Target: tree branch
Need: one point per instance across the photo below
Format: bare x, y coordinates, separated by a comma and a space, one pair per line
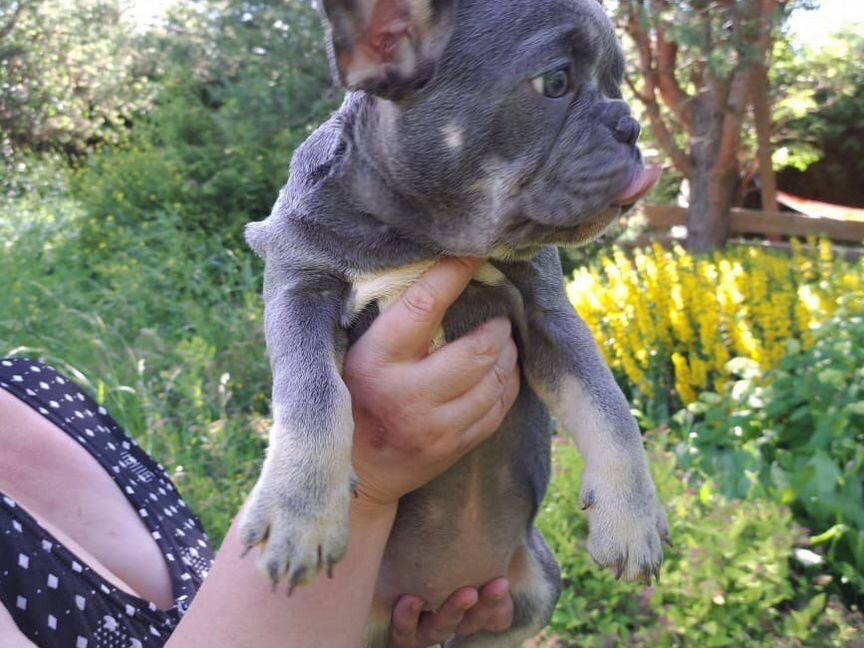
673, 95
649, 97
733, 114
13, 19
662, 131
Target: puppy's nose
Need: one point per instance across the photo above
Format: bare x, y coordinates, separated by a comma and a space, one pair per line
627, 130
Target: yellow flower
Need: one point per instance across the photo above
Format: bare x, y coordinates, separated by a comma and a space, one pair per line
657, 312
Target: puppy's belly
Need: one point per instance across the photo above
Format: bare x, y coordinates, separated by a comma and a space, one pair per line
465, 527
462, 529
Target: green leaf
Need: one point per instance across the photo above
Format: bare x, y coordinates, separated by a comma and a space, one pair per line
833, 377
856, 408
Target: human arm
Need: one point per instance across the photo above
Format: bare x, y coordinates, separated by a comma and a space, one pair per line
10, 635
451, 401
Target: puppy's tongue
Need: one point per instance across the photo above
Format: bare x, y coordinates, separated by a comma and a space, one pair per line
639, 185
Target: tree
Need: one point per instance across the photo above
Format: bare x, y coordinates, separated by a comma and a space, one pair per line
68, 74
819, 120
241, 84
698, 61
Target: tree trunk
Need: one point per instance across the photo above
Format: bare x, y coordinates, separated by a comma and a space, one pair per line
712, 192
762, 117
713, 181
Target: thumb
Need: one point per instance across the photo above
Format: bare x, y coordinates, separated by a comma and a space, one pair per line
406, 329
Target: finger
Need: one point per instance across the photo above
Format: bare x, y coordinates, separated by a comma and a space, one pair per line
493, 612
489, 400
437, 627
486, 425
404, 622
406, 329
458, 366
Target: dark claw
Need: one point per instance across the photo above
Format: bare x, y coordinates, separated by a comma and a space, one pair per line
320, 558
656, 572
667, 541
588, 500
621, 564
246, 551
273, 572
329, 568
646, 577
296, 577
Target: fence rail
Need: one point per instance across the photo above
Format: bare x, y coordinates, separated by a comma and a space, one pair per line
748, 221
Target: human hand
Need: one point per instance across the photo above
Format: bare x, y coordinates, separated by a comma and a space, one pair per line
466, 612
417, 413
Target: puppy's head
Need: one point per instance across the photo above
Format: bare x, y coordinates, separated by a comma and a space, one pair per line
503, 119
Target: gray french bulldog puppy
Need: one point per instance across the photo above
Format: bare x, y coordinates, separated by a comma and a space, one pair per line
484, 128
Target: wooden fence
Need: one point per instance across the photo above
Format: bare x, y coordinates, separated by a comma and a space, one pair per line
745, 222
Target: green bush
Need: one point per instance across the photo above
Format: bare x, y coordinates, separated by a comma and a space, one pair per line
726, 583
795, 435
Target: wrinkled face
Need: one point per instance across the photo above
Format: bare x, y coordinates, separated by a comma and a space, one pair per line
520, 137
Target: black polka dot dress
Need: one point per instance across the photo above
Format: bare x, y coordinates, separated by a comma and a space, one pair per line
56, 600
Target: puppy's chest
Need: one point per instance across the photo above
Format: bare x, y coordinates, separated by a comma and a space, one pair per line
385, 287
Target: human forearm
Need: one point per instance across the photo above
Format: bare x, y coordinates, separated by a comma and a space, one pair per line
330, 612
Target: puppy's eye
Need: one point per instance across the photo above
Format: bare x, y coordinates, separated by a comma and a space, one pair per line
554, 84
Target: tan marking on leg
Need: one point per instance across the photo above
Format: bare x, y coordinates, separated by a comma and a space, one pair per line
575, 412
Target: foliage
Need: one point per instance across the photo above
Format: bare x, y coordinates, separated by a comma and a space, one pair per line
794, 433
700, 65
70, 75
241, 88
163, 326
668, 322
726, 583
820, 119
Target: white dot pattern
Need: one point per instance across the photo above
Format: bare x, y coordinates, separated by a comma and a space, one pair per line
54, 597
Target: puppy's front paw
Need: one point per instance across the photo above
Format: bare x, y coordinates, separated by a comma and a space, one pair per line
300, 528
626, 526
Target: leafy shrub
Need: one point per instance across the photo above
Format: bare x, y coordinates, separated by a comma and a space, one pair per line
726, 583
241, 87
669, 322
795, 434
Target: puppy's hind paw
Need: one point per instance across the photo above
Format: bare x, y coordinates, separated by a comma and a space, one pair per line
296, 541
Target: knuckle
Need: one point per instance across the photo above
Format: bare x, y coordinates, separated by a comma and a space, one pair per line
420, 301
465, 262
484, 345
502, 378
513, 385
490, 339
505, 393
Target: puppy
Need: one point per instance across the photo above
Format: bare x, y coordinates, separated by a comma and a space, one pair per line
484, 128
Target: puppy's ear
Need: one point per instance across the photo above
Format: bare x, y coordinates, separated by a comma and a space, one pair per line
388, 47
